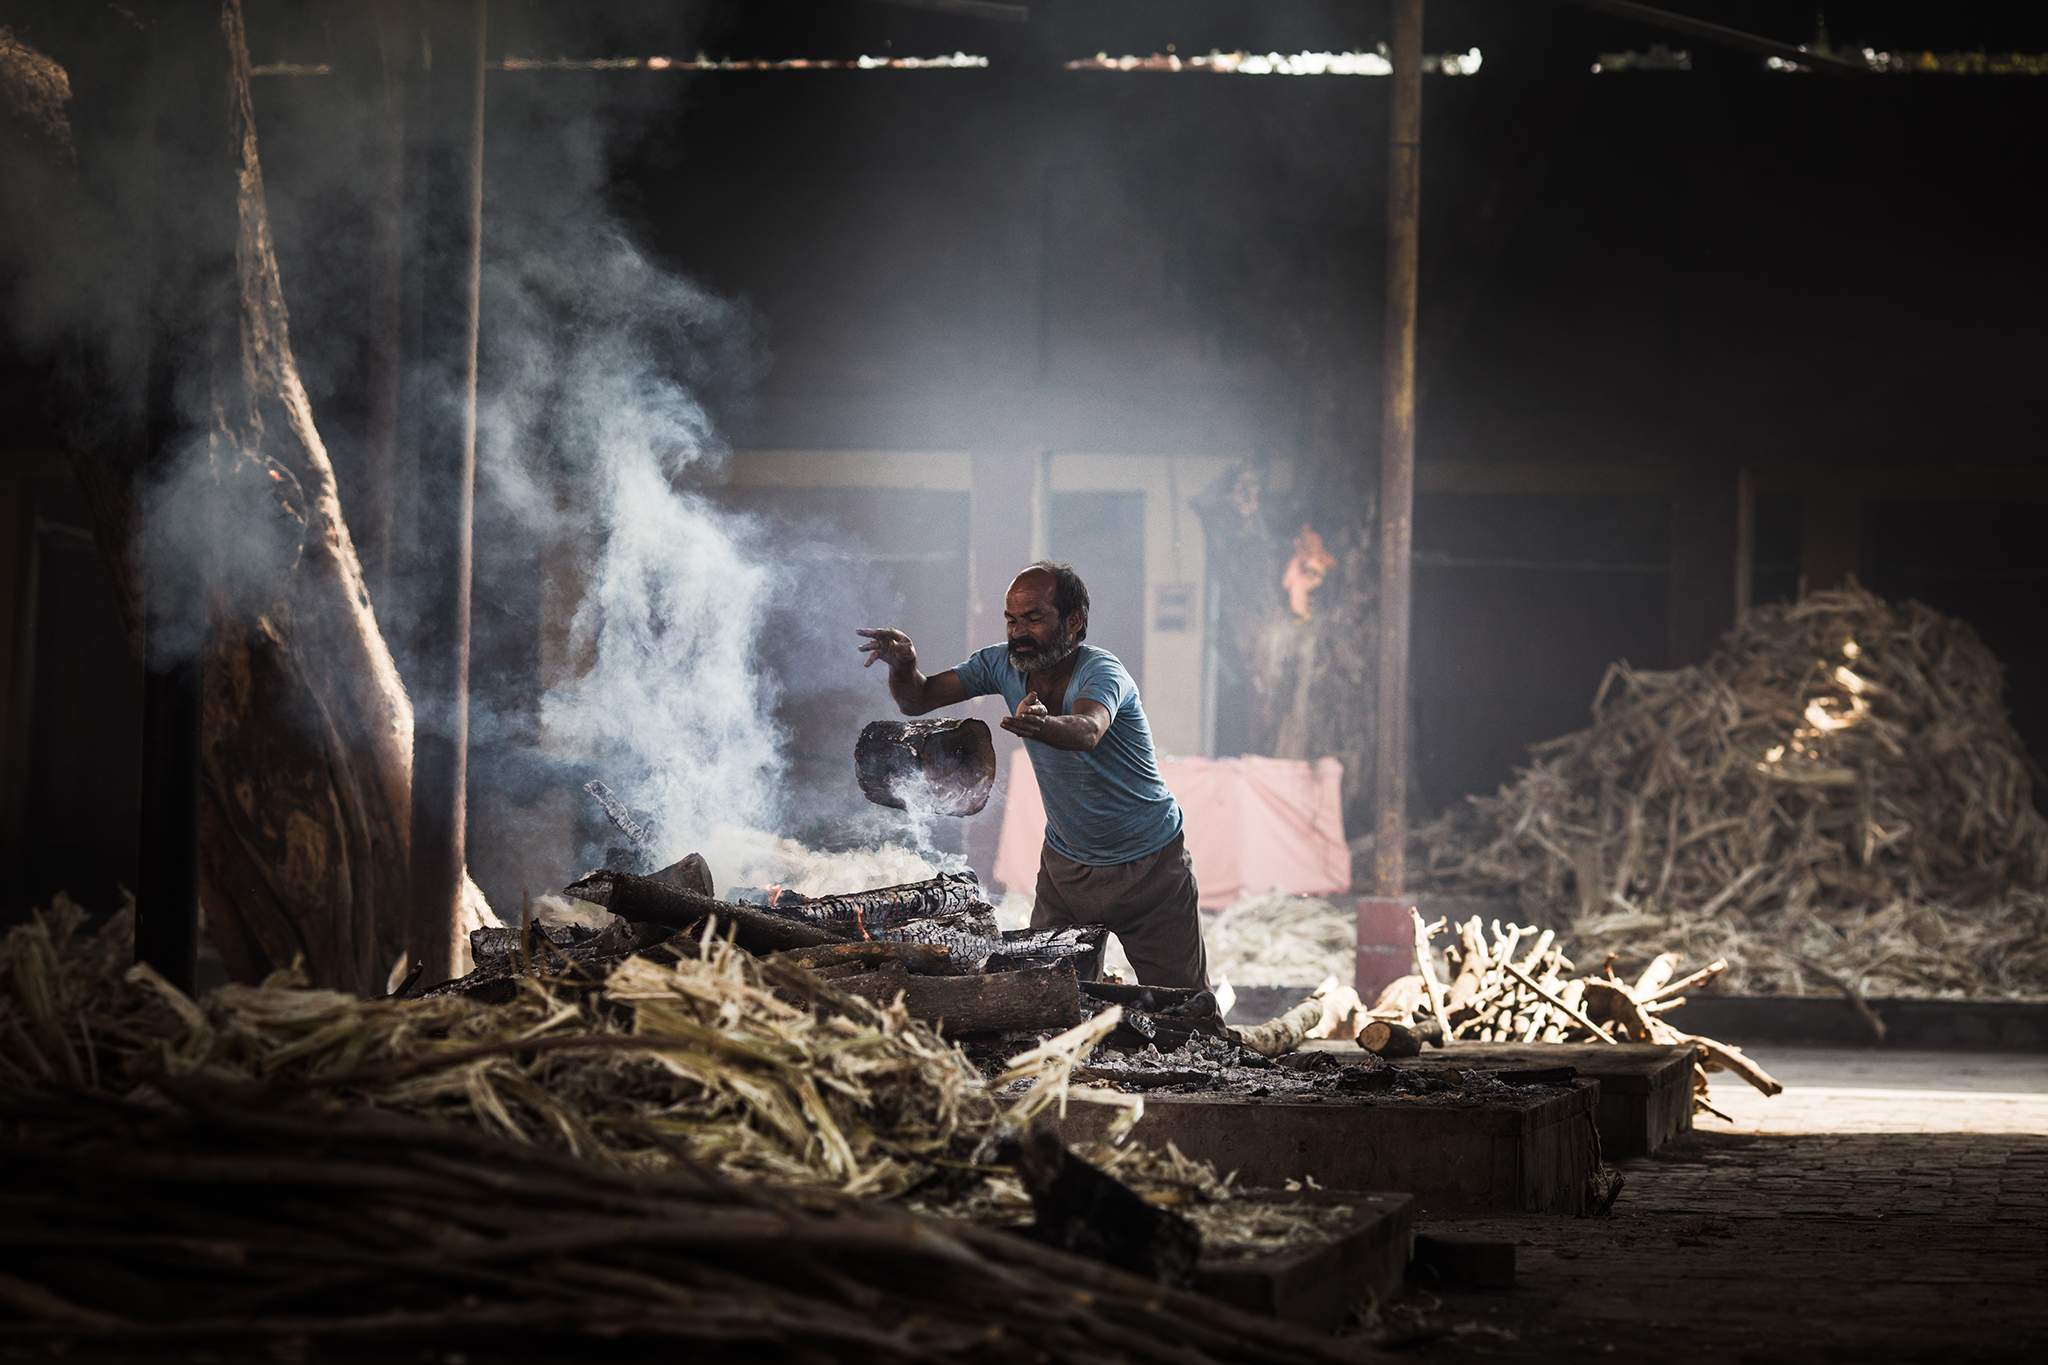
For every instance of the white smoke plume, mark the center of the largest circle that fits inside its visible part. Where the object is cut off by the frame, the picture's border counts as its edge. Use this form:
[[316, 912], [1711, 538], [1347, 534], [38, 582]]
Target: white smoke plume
[[589, 393]]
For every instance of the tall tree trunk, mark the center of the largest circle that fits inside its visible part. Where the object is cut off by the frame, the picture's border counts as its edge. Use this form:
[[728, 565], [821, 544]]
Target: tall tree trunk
[[306, 757]]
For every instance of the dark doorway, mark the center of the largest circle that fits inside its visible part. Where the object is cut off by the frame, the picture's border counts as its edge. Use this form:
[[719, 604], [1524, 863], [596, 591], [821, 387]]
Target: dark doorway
[[73, 795]]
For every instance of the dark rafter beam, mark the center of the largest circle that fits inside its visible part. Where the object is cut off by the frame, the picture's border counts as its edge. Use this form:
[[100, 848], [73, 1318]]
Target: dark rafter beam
[[970, 9], [1721, 35]]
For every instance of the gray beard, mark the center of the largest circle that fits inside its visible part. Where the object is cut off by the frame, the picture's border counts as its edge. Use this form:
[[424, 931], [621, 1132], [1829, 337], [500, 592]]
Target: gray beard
[[1062, 650]]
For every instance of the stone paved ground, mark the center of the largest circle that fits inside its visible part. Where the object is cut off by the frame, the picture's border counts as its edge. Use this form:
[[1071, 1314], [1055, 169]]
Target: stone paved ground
[[1888, 1206]]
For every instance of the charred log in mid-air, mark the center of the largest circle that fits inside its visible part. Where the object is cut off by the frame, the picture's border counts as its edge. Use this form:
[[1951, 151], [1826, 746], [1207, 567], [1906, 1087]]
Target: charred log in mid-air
[[946, 767]]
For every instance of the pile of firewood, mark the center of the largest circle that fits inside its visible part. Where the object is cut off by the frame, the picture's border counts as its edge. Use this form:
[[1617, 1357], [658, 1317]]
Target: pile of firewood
[[932, 944], [1836, 800], [1515, 985], [209, 1222]]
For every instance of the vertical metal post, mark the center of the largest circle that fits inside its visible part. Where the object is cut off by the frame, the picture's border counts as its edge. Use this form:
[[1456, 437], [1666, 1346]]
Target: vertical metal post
[[1397, 451], [451, 286]]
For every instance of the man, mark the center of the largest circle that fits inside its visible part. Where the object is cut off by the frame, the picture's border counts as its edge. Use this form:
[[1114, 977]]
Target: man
[[1113, 851]]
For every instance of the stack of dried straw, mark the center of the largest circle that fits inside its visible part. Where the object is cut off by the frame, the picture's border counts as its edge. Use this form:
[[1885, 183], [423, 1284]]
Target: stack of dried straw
[[696, 1057], [661, 1149], [1835, 800]]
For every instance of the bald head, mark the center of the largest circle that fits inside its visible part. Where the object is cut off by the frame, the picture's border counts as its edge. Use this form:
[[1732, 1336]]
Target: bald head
[[1046, 615]]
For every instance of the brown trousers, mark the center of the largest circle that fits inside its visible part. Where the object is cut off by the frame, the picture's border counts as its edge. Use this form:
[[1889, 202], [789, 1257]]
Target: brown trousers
[[1151, 904]]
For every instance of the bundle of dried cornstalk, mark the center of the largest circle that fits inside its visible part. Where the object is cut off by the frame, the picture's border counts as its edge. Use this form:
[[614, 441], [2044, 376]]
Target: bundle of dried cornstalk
[[205, 1222], [1515, 985], [1835, 800]]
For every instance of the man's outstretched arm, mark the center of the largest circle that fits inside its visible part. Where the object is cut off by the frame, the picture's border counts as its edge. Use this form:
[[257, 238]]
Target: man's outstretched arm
[[914, 693], [1081, 731]]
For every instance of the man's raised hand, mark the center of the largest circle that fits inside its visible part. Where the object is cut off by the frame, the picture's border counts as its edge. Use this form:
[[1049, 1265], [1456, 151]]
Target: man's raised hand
[[891, 647], [1029, 720]]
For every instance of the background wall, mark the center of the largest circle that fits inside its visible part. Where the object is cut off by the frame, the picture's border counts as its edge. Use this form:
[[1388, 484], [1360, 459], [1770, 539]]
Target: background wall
[[1684, 335]]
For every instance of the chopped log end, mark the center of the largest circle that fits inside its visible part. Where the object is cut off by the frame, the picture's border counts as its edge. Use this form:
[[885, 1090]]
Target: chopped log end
[[1385, 1038], [1277, 1037]]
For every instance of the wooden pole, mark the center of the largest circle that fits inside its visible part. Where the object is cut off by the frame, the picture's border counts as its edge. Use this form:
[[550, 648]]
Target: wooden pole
[[383, 59], [450, 288], [1397, 450]]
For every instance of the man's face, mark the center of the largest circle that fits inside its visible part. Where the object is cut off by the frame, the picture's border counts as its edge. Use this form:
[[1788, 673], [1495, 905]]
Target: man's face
[[1038, 638]]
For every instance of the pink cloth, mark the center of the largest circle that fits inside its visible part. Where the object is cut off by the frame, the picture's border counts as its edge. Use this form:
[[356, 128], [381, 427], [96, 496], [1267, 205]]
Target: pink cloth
[[1253, 825]]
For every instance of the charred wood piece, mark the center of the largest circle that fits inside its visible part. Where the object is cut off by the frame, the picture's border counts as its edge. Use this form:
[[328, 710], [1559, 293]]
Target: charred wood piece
[[648, 900], [931, 959], [953, 898], [692, 873], [615, 811], [1037, 999], [1079, 943], [947, 767], [1012, 950], [504, 955], [498, 949], [1161, 1016], [1078, 1208]]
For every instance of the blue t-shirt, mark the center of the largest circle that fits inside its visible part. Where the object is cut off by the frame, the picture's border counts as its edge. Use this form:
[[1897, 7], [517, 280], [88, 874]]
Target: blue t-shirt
[[1106, 806]]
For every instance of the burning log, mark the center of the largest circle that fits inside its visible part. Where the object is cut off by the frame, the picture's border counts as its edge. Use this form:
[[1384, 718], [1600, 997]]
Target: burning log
[[653, 901], [1079, 943], [952, 898], [1035, 999], [946, 766]]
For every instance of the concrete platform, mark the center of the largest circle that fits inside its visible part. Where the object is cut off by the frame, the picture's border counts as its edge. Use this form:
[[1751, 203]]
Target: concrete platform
[[1526, 1155], [1645, 1090], [1828, 1021], [1317, 1286]]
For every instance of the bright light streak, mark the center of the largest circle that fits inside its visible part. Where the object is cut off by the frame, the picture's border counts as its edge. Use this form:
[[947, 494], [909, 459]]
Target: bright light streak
[[1354, 63]]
